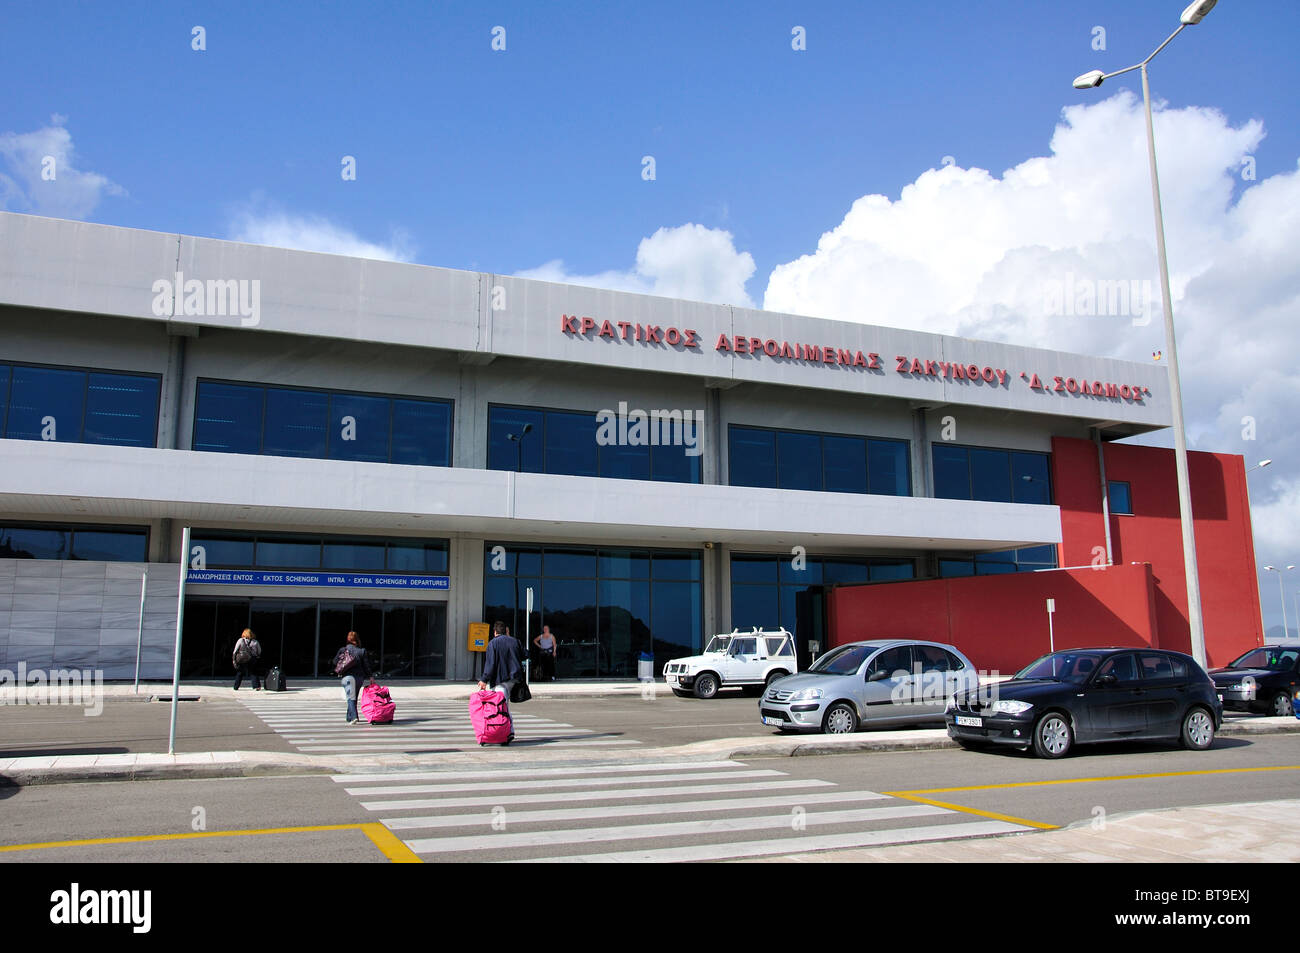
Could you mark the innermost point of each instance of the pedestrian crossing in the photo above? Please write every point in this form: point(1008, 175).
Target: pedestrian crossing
point(637, 812)
point(316, 726)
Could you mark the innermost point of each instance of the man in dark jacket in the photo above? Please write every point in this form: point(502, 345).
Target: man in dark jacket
point(501, 667)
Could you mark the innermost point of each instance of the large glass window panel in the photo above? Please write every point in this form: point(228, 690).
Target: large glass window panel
point(1030, 481)
point(34, 543)
point(810, 574)
point(990, 472)
point(754, 568)
point(397, 656)
point(362, 557)
point(417, 557)
point(674, 464)
point(228, 418)
point(232, 619)
point(507, 454)
point(571, 444)
point(335, 623)
point(121, 410)
point(623, 564)
point(198, 638)
point(624, 462)
point(569, 608)
point(902, 569)
point(751, 457)
point(298, 656)
point(685, 566)
point(949, 568)
point(359, 427)
point(276, 554)
point(219, 553)
point(624, 624)
point(295, 423)
point(1037, 557)
point(110, 546)
point(845, 572)
point(573, 563)
point(888, 467)
point(4, 396)
point(1121, 497)
point(676, 620)
point(421, 432)
point(46, 400)
point(431, 641)
point(993, 569)
point(754, 605)
point(844, 462)
point(951, 472)
point(799, 460)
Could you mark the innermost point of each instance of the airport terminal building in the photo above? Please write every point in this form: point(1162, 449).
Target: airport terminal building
point(405, 450)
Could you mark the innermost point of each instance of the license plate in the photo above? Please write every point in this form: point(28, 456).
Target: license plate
point(670, 678)
point(970, 722)
point(772, 721)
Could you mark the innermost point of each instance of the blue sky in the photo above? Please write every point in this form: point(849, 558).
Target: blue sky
point(529, 160)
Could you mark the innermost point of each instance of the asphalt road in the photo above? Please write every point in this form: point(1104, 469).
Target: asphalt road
point(625, 807)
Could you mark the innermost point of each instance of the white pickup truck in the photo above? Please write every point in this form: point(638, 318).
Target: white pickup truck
point(750, 660)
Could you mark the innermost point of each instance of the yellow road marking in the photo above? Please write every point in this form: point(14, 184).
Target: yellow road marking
point(915, 795)
point(389, 845)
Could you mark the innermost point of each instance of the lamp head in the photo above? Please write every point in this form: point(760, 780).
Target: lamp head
point(1264, 463)
point(1089, 80)
point(1196, 12)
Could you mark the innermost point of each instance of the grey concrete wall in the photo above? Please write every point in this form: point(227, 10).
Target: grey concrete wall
point(85, 615)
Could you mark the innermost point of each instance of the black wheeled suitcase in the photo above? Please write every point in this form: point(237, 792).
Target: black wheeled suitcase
point(275, 680)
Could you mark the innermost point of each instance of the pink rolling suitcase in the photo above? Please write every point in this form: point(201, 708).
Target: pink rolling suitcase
point(376, 705)
point(490, 714)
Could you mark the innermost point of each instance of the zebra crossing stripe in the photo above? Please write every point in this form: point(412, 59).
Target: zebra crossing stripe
point(496, 774)
point(577, 782)
point(722, 825)
point(454, 745)
point(768, 848)
point(787, 801)
point(503, 799)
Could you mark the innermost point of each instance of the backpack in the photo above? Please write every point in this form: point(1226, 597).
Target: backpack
point(344, 662)
point(244, 652)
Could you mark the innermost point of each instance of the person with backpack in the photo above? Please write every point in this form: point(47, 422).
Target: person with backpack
point(247, 651)
point(351, 664)
point(501, 667)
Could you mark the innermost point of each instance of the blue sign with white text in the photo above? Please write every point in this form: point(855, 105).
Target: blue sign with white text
point(355, 580)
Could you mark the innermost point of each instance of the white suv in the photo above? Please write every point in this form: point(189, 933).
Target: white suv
point(738, 660)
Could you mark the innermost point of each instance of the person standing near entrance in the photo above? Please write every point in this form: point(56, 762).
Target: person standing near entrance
point(247, 651)
point(546, 653)
point(351, 663)
point(501, 668)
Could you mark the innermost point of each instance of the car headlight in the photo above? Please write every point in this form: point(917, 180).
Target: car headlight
point(1005, 707)
point(807, 694)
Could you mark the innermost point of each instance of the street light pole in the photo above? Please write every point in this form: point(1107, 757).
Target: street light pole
point(1286, 630)
point(1191, 15)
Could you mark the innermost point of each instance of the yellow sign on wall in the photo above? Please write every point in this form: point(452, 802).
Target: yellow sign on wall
point(478, 636)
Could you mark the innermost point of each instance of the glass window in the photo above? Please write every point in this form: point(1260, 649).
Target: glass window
point(778, 645)
point(951, 472)
point(844, 463)
point(809, 575)
point(888, 466)
point(571, 444)
point(1123, 667)
point(990, 476)
point(121, 410)
point(754, 568)
point(845, 572)
point(625, 462)
point(228, 418)
point(753, 605)
point(364, 557)
point(1121, 498)
point(1030, 481)
point(295, 423)
point(224, 553)
point(415, 557)
point(752, 457)
point(894, 663)
point(283, 554)
point(359, 427)
point(507, 454)
point(951, 568)
point(684, 566)
point(902, 569)
point(421, 432)
point(843, 660)
point(677, 464)
point(932, 658)
point(110, 545)
point(623, 564)
point(570, 563)
point(748, 646)
point(1036, 557)
point(1154, 665)
point(799, 460)
point(46, 402)
point(4, 396)
point(20, 542)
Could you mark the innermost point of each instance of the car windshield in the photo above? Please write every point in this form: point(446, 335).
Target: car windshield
point(718, 643)
point(1275, 660)
point(1062, 667)
point(842, 661)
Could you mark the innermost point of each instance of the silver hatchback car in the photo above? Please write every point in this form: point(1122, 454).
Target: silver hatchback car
point(884, 682)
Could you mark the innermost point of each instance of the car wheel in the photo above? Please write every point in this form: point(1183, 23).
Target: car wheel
point(840, 719)
point(706, 685)
point(1053, 736)
point(1281, 704)
point(773, 676)
point(1198, 729)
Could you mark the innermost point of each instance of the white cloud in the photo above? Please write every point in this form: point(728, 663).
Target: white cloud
point(965, 252)
point(39, 174)
point(259, 225)
point(689, 261)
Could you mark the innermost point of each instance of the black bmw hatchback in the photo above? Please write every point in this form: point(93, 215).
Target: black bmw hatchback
point(1089, 695)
